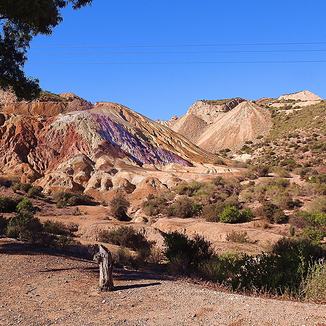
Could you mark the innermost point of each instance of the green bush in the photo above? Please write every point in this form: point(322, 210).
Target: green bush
point(21, 186)
point(64, 199)
point(155, 205)
point(56, 228)
point(184, 207)
point(186, 254)
point(232, 214)
point(273, 213)
point(314, 286)
point(35, 192)
point(314, 234)
point(24, 226)
point(7, 205)
point(128, 237)
point(25, 205)
point(119, 206)
point(188, 189)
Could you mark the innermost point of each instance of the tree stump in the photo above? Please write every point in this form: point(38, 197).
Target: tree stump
point(105, 262)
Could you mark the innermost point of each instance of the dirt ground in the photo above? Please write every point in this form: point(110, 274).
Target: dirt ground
point(43, 289)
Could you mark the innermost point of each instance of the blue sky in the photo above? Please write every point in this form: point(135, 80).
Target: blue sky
point(159, 47)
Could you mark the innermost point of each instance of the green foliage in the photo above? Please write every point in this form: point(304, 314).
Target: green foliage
point(232, 214)
point(56, 228)
point(273, 213)
point(154, 206)
point(35, 192)
point(64, 199)
point(184, 207)
point(24, 226)
point(25, 205)
point(126, 236)
point(188, 189)
point(314, 286)
point(277, 272)
point(119, 206)
point(261, 170)
point(20, 21)
point(314, 234)
point(186, 254)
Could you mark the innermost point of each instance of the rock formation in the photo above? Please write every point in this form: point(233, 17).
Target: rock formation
point(63, 142)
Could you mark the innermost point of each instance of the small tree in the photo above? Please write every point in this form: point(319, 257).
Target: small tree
point(24, 226)
point(25, 205)
point(185, 254)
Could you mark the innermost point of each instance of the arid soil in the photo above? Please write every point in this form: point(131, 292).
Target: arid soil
point(43, 289)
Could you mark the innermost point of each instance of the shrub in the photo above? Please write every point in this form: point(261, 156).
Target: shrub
point(306, 219)
point(315, 235)
point(124, 258)
point(127, 236)
point(64, 199)
point(211, 212)
point(3, 225)
point(25, 205)
point(318, 205)
point(261, 170)
point(281, 172)
point(155, 205)
point(119, 206)
point(222, 269)
point(35, 192)
point(7, 205)
point(184, 207)
point(232, 214)
point(24, 226)
point(56, 228)
point(314, 286)
point(240, 237)
point(273, 213)
point(188, 189)
point(21, 186)
point(185, 254)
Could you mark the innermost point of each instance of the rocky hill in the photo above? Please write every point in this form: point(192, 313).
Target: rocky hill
point(65, 142)
point(244, 123)
point(216, 125)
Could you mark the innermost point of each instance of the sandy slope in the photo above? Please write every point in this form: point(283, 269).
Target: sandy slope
point(244, 122)
point(39, 289)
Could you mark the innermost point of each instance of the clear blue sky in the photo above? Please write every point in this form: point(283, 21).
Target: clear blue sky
point(170, 34)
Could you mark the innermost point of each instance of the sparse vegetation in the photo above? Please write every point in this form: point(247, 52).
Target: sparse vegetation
point(232, 214)
point(119, 206)
point(240, 237)
point(63, 199)
point(128, 237)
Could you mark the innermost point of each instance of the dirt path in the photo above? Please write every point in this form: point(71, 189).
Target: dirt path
point(40, 289)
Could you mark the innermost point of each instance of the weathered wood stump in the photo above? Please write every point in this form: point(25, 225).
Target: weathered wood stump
point(105, 262)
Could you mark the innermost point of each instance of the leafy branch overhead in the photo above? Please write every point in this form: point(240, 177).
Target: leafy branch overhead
point(20, 21)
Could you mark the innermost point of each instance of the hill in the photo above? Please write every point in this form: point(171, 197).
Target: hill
point(62, 141)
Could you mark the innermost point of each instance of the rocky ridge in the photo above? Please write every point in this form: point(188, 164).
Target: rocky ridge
point(66, 143)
